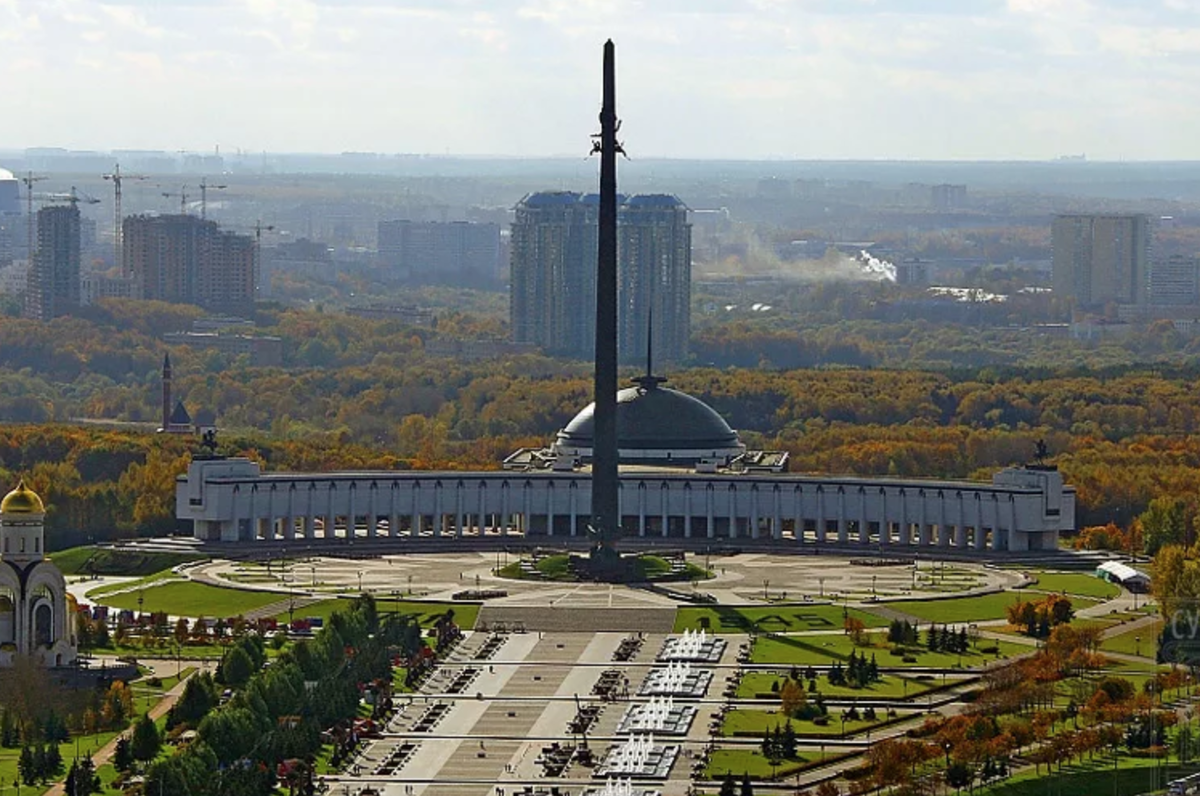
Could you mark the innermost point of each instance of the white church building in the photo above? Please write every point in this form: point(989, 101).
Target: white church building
point(36, 612)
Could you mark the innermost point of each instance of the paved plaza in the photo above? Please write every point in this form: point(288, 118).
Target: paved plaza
point(738, 579)
point(503, 731)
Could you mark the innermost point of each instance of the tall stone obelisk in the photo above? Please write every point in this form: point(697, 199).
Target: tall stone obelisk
point(606, 519)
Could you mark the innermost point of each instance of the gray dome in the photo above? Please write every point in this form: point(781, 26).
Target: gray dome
point(654, 418)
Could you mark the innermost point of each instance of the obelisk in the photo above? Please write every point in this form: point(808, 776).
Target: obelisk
point(605, 512)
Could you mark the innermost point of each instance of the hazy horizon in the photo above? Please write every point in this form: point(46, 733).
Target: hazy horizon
point(806, 80)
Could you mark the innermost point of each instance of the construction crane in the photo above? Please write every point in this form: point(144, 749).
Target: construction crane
point(29, 179)
point(73, 197)
point(183, 197)
point(118, 230)
point(204, 188)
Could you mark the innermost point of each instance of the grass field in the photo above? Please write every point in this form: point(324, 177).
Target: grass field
point(427, 613)
point(1132, 776)
point(774, 619)
point(192, 599)
point(889, 687)
point(90, 560)
point(1135, 641)
point(957, 610)
point(157, 578)
point(1075, 583)
point(757, 722)
point(747, 761)
point(824, 649)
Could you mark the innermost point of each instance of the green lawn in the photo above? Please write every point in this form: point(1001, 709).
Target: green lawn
point(774, 619)
point(889, 687)
point(824, 649)
point(1128, 641)
point(757, 722)
point(1075, 583)
point(957, 610)
point(158, 578)
point(89, 560)
point(1133, 776)
point(749, 761)
point(192, 599)
point(465, 614)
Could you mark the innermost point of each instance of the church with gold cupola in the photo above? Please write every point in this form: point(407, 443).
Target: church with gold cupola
point(36, 612)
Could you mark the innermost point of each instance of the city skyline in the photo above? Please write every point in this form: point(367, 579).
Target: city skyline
point(742, 79)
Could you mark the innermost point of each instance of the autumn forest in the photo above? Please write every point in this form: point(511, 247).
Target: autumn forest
point(80, 399)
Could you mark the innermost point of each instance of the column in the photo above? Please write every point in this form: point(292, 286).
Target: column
point(641, 492)
point(504, 490)
point(664, 494)
point(843, 523)
point(687, 510)
point(550, 508)
point(458, 509)
point(822, 520)
point(573, 493)
point(733, 513)
point(754, 511)
point(709, 529)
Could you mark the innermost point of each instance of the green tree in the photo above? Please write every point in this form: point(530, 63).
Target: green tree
point(1165, 522)
point(123, 755)
point(747, 788)
point(237, 668)
point(27, 765)
point(145, 741)
point(728, 786)
point(82, 779)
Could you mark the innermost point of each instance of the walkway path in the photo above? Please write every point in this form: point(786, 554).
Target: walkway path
point(105, 753)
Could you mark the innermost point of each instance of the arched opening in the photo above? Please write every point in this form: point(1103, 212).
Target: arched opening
point(43, 625)
point(8, 616)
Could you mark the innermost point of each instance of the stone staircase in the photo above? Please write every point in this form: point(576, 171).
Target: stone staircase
point(553, 619)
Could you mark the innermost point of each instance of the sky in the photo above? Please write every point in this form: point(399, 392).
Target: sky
point(756, 79)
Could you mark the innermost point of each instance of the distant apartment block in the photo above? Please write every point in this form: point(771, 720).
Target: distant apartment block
point(410, 316)
point(552, 294)
point(1175, 282)
point(654, 278)
point(948, 197)
point(477, 350)
point(53, 286)
point(1101, 259)
point(302, 257)
point(553, 275)
point(262, 351)
point(183, 259)
point(101, 286)
point(434, 252)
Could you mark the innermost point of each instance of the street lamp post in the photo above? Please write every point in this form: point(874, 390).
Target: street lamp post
point(766, 586)
point(360, 574)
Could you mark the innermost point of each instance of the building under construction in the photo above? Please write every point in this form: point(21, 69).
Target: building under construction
point(187, 260)
point(553, 279)
point(53, 284)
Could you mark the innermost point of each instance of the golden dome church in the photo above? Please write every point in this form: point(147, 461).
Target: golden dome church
point(36, 618)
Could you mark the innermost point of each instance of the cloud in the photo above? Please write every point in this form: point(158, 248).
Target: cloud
point(727, 78)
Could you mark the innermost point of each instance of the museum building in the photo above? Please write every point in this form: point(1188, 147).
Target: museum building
point(684, 475)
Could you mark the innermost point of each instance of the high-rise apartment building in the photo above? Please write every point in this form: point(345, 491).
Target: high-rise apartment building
point(186, 260)
point(654, 278)
point(53, 283)
point(1174, 281)
point(434, 252)
point(553, 275)
point(552, 295)
point(1101, 259)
